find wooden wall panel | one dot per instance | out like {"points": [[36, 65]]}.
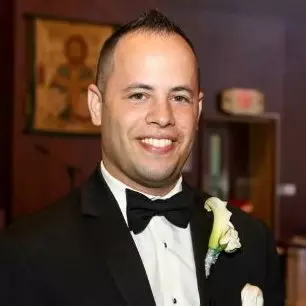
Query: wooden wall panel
{"points": [[293, 150], [6, 89]]}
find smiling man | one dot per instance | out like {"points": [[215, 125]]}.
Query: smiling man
{"points": [[135, 233], [148, 108]]}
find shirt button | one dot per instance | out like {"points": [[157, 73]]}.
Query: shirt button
{"points": [[174, 301], [165, 245]]}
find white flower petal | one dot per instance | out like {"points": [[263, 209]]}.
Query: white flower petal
{"points": [[214, 203], [230, 240], [230, 224], [232, 246]]}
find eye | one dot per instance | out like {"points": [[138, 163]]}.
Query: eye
{"points": [[180, 98], [137, 96]]}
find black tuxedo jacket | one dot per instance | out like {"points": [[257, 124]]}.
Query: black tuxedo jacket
{"points": [[79, 252]]}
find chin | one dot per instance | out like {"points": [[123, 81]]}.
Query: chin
{"points": [[159, 178]]}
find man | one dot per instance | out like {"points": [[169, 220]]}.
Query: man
{"points": [[107, 243]]}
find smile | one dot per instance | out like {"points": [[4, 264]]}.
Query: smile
{"points": [[159, 143]]}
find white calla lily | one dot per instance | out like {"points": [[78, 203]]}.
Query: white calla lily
{"points": [[223, 236]]}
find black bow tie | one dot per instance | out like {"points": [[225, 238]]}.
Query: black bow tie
{"points": [[140, 209]]}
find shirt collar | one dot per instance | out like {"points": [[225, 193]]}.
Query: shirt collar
{"points": [[118, 189]]}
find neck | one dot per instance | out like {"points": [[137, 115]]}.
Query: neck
{"points": [[149, 188]]}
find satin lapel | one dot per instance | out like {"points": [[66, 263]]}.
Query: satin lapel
{"points": [[113, 241], [201, 225]]}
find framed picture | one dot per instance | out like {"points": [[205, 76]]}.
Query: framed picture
{"points": [[63, 59]]}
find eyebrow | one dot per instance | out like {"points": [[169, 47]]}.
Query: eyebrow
{"points": [[148, 87], [182, 88], [138, 86]]}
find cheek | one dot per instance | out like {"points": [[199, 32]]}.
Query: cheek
{"points": [[123, 127], [186, 122], [111, 127], [124, 121], [132, 120]]}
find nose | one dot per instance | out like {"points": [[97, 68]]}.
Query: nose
{"points": [[161, 113]]}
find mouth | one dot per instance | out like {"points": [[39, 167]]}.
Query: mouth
{"points": [[158, 145]]}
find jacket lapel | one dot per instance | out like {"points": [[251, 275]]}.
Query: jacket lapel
{"points": [[201, 225], [113, 241]]}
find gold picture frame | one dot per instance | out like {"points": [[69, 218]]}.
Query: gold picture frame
{"points": [[63, 58]]}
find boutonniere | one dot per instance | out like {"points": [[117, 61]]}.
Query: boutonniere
{"points": [[223, 236], [251, 296]]}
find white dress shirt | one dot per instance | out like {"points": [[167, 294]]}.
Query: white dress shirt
{"points": [[166, 252]]}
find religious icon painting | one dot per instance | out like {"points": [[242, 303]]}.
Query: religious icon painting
{"points": [[64, 56]]}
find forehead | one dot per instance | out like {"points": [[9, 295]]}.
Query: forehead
{"points": [[145, 55]]}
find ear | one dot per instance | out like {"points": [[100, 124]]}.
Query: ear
{"points": [[94, 100], [201, 97]]}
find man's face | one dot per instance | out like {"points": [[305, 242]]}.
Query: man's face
{"points": [[150, 110]]}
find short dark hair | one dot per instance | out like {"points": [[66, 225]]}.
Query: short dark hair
{"points": [[151, 21]]}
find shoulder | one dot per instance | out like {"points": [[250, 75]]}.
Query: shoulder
{"points": [[50, 223], [256, 237], [251, 229]]}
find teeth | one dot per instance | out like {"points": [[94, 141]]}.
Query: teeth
{"points": [[157, 142]]}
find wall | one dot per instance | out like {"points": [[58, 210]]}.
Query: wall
{"points": [[6, 88], [240, 43], [294, 126]]}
